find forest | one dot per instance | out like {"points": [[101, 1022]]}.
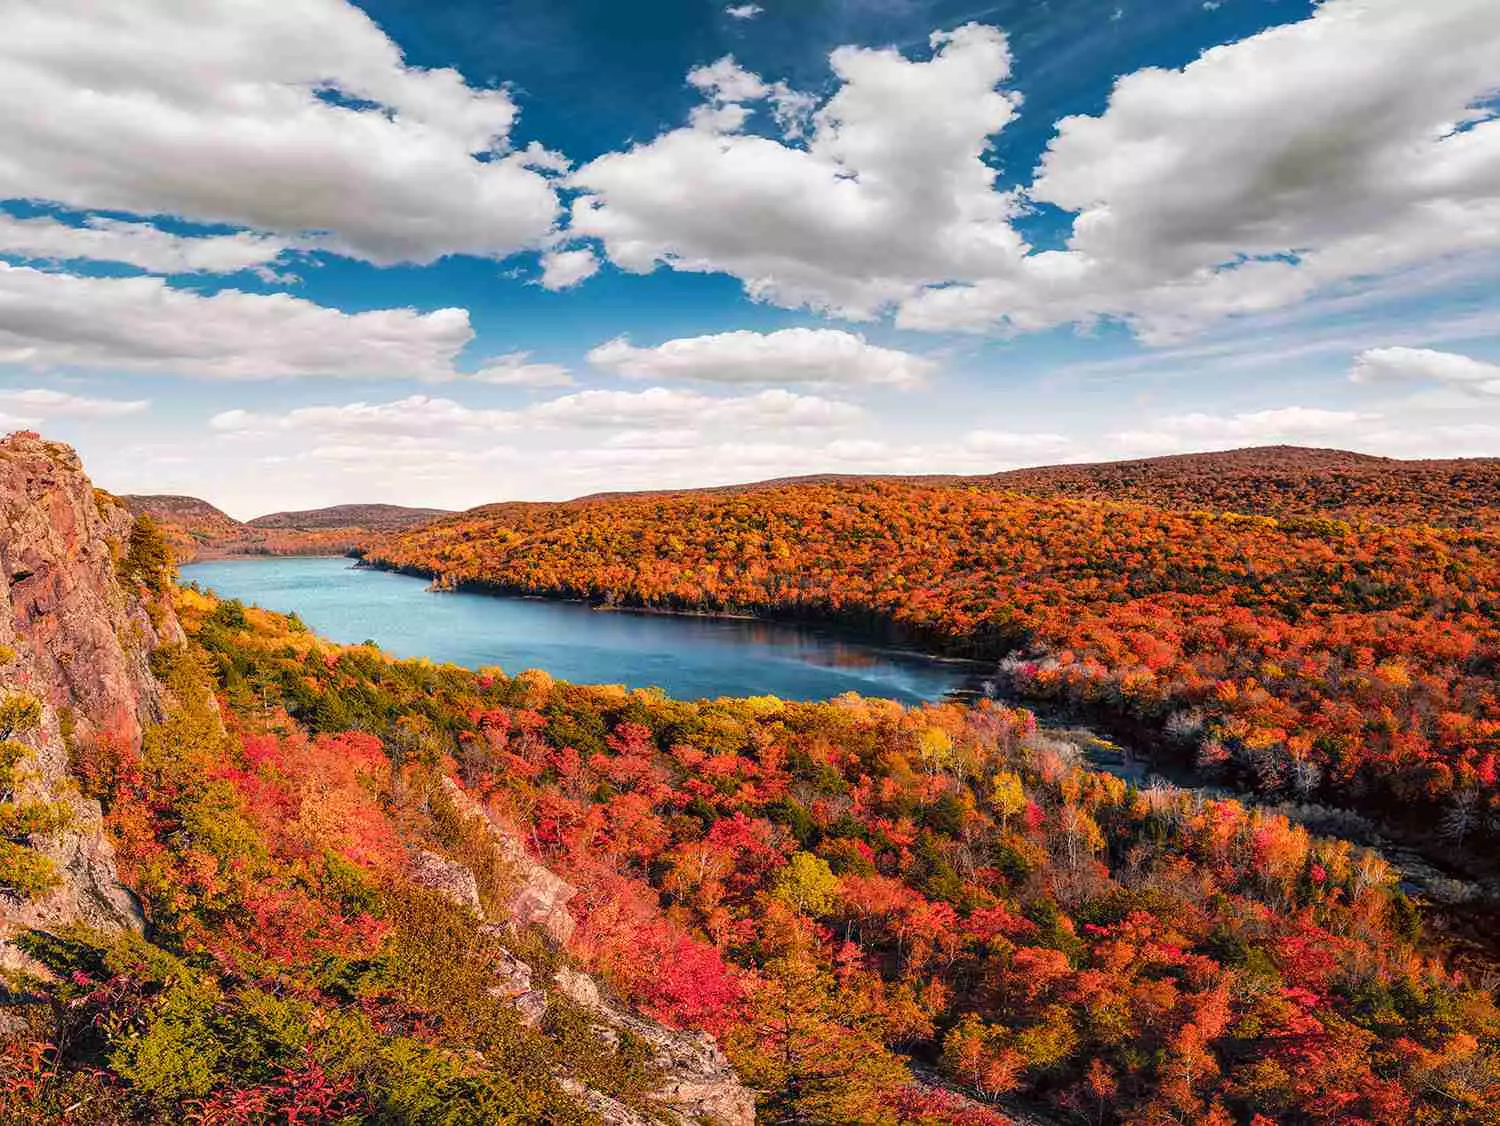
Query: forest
{"points": [[886, 915], [1289, 652]]}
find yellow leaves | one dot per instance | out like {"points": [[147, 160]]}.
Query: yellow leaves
{"points": [[808, 884], [1393, 674], [935, 748], [1007, 795]]}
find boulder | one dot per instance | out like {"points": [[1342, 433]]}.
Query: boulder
{"points": [[448, 878]]}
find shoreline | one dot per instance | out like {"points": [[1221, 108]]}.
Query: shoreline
{"points": [[1147, 745], [1138, 747]]}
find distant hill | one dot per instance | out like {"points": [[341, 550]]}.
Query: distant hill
{"points": [[375, 517], [196, 517], [1285, 481], [197, 529], [1258, 480]]}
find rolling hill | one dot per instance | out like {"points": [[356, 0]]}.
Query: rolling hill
{"points": [[375, 517], [196, 529]]}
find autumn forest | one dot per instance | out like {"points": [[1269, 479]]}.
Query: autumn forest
{"points": [[397, 891]]}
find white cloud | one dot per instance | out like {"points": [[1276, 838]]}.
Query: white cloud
{"points": [[655, 439], [1011, 446], [1449, 369], [136, 244], [790, 355], [1200, 431], [516, 370], [727, 81], [1315, 157], [563, 269], [655, 411], [670, 407], [51, 404], [142, 324], [743, 11], [1315, 154], [298, 119], [889, 193], [415, 416]]}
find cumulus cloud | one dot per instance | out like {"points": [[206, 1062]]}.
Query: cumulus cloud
{"points": [[141, 245], [563, 269], [658, 409], [1350, 144], [1198, 431], [306, 118], [517, 370], [743, 11], [665, 406], [790, 355], [412, 417], [890, 191], [1315, 155], [50, 404], [142, 324], [1426, 365]]}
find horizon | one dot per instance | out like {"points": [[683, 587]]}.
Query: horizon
{"points": [[356, 253], [805, 477]]}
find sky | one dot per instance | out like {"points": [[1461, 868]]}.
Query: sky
{"points": [[315, 252]]}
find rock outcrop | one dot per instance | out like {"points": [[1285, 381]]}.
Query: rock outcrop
{"points": [[697, 1087], [540, 896], [77, 636], [698, 1084]]}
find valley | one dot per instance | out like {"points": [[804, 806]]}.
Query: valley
{"points": [[361, 886]]}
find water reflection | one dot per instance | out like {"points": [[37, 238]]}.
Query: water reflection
{"points": [[687, 656]]}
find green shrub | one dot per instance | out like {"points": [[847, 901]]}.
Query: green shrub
{"points": [[149, 557]]}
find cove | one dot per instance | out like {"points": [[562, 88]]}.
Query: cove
{"points": [[687, 657]]}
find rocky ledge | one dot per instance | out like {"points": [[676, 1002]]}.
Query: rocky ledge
{"points": [[698, 1086]]}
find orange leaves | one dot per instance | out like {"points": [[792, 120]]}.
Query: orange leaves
{"points": [[1293, 631]]}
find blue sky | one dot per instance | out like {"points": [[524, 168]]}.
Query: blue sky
{"points": [[450, 254]]}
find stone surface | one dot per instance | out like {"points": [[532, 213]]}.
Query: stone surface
{"points": [[579, 987], [540, 896], [698, 1083], [82, 640], [447, 877]]}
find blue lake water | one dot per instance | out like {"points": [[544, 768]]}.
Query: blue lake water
{"points": [[688, 657]]}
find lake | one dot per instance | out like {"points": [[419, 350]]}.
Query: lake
{"points": [[688, 657]]}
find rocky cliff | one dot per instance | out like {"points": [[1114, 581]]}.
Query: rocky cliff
{"points": [[78, 622]]}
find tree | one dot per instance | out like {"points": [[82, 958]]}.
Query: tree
{"points": [[812, 1061], [149, 557], [808, 884]]}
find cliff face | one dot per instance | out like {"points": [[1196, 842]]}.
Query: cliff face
{"points": [[77, 636]]}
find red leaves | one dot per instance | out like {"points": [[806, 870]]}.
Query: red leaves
{"points": [[301, 1095], [1291, 634]]}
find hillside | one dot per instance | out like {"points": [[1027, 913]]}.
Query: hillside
{"points": [[375, 891], [1259, 480], [196, 529], [372, 517], [207, 914], [197, 517], [1298, 656], [369, 890], [1286, 481]]}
